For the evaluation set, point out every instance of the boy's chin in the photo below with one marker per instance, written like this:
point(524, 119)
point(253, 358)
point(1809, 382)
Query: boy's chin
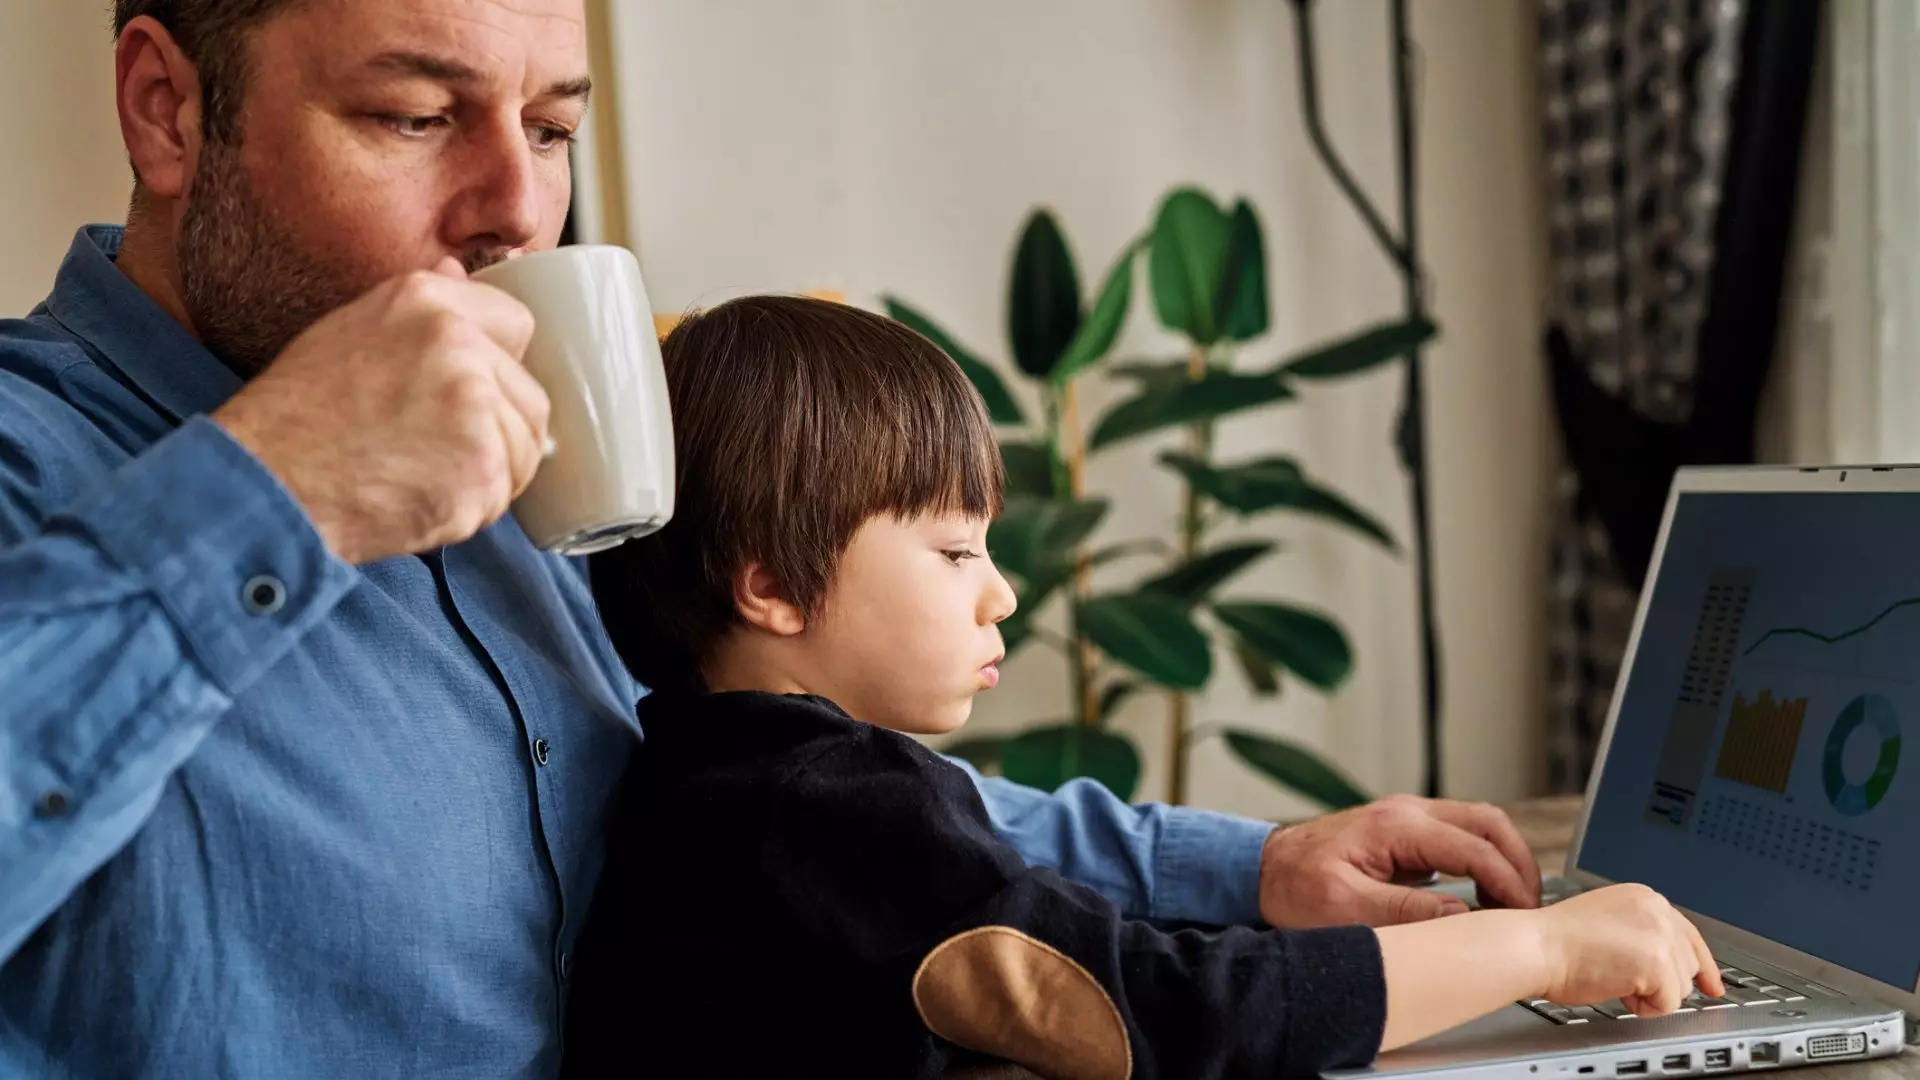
point(950, 719)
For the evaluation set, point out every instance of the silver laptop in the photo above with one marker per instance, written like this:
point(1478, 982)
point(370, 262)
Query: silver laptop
point(1752, 771)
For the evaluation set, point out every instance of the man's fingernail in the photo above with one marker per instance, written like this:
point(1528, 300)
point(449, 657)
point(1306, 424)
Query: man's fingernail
point(548, 448)
point(1453, 907)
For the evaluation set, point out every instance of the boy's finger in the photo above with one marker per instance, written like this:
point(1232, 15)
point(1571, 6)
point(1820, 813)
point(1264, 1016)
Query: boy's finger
point(1710, 980)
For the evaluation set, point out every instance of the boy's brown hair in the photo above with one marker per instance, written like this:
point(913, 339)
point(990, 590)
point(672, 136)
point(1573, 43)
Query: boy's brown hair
point(794, 422)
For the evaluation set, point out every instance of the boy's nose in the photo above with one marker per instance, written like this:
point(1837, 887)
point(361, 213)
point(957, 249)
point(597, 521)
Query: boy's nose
point(998, 601)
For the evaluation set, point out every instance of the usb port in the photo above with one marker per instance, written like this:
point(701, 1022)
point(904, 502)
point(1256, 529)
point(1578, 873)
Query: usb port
point(1721, 1058)
point(1764, 1053)
point(1630, 1068)
point(1676, 1062)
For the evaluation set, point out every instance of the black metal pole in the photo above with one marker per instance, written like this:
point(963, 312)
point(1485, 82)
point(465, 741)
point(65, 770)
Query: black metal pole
point(1413, 434)
point(1404, 252)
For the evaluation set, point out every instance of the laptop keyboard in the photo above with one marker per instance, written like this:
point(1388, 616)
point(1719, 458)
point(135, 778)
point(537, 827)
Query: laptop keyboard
point(1743, 988)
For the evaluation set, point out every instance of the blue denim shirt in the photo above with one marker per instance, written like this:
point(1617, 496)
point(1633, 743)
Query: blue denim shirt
point(263, 813)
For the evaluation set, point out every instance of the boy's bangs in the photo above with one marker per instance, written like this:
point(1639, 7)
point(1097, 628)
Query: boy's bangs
point(939, 459)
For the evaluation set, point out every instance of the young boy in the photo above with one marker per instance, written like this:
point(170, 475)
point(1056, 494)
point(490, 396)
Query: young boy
point(797, 888)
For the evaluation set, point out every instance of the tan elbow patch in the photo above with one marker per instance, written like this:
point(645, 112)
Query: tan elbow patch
point(1001, 992)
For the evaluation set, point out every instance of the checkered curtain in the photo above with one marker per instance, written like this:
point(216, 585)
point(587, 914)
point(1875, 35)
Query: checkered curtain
point(1638, 98)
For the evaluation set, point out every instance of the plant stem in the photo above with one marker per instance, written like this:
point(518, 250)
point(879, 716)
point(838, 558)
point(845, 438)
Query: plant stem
point(1199, 439)
point(1083, 658)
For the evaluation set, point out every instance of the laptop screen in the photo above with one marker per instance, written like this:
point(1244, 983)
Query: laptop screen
point(1756, 772)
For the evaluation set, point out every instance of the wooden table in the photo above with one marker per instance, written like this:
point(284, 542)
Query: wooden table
point(1548, 825)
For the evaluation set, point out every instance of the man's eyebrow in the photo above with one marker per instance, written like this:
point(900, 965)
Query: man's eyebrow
point(444, 69)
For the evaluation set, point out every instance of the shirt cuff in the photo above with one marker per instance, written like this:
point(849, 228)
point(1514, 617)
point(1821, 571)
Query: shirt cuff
point(231, 556)
point(1207, 868)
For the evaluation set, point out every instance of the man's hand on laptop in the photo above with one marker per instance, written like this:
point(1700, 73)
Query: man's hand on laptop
point(1342, 868)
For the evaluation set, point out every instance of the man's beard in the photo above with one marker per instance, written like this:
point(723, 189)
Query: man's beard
point(248, 282)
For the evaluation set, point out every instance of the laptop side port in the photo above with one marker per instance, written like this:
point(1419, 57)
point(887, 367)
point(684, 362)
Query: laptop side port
point(1719, 1057)
point(1676, 1062)
point(1630, 1068)
point(1764, 1053)
point(1836, 1045)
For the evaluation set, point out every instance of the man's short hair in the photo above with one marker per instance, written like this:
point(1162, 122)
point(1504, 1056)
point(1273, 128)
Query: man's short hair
point(795, 421)
point(213, 35)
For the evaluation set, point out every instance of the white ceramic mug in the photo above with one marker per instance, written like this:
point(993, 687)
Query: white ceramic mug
point(609, 475)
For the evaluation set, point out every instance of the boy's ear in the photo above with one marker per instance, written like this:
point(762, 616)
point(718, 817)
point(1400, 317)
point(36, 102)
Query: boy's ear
point(760, 601)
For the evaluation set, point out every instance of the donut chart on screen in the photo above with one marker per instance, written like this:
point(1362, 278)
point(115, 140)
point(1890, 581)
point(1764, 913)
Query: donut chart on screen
point(1855, 798)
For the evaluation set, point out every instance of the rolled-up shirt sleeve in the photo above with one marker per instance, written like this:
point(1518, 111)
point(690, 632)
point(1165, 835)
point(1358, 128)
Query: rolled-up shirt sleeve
point(130, 618)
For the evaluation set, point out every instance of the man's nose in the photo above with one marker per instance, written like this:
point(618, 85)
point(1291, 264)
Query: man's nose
point(500, 204)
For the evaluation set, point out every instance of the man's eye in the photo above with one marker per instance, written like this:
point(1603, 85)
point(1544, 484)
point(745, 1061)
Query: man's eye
point(547, 137)
point(414, 127)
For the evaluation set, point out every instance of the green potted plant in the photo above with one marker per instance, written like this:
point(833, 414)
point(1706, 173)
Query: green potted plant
point(1207, 276)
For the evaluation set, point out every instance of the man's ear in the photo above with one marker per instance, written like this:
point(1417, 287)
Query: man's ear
point(760, 601)
point(157, 90)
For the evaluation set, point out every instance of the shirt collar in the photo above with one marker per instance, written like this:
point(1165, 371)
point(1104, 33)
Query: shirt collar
point(132, 334)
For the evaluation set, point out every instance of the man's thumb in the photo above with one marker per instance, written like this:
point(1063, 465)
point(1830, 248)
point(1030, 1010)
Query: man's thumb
point(1392, 905)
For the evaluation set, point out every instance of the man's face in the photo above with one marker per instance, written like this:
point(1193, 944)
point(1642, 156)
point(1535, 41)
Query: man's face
point(377, 137)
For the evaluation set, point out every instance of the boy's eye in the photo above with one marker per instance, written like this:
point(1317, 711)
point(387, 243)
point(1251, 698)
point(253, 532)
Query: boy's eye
point(956, 554)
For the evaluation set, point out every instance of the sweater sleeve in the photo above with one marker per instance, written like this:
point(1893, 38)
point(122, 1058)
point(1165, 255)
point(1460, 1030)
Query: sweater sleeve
point(886, 854)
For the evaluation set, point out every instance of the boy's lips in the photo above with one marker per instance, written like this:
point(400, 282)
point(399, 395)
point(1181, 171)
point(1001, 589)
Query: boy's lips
point(990, 672)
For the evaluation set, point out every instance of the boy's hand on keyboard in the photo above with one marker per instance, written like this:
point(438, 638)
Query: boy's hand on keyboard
point(1626, 942)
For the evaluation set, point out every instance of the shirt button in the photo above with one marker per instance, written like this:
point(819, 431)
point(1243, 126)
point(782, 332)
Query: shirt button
point(540, 751)
point(263, 595)
point(52, 804)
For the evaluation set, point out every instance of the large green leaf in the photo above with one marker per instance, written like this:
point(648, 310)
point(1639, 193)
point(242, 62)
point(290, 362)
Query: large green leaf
point(983, 753)
point(1029, 469)
point(1329, 504)
point(1261, 677)
point(1050, 756)
point(1153, 374)
point(1191, 581)
point(1043, 299)
point(1247, 488)
point(1371, 347)
point(1273, 483)
point(1103, 324)
point(1151, 634)
point(1297, 768)
point(1014, 537)
point(1069, 523)
point(1190, 238)
point(1243, 288)
point(1305, 643)
point(1216, 394)
point(1000, 404)
point(1034, 538)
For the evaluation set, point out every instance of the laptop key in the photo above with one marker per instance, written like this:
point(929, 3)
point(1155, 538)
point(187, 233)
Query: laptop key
point(1747, 995)
point(1781, 993)
point(1616, 1009)
point(1584, 1013)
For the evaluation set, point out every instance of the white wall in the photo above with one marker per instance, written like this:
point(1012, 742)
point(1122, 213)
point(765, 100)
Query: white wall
point(61, 160)
point(875, 147)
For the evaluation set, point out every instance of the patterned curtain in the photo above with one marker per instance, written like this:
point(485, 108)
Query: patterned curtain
point(1672, 135)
